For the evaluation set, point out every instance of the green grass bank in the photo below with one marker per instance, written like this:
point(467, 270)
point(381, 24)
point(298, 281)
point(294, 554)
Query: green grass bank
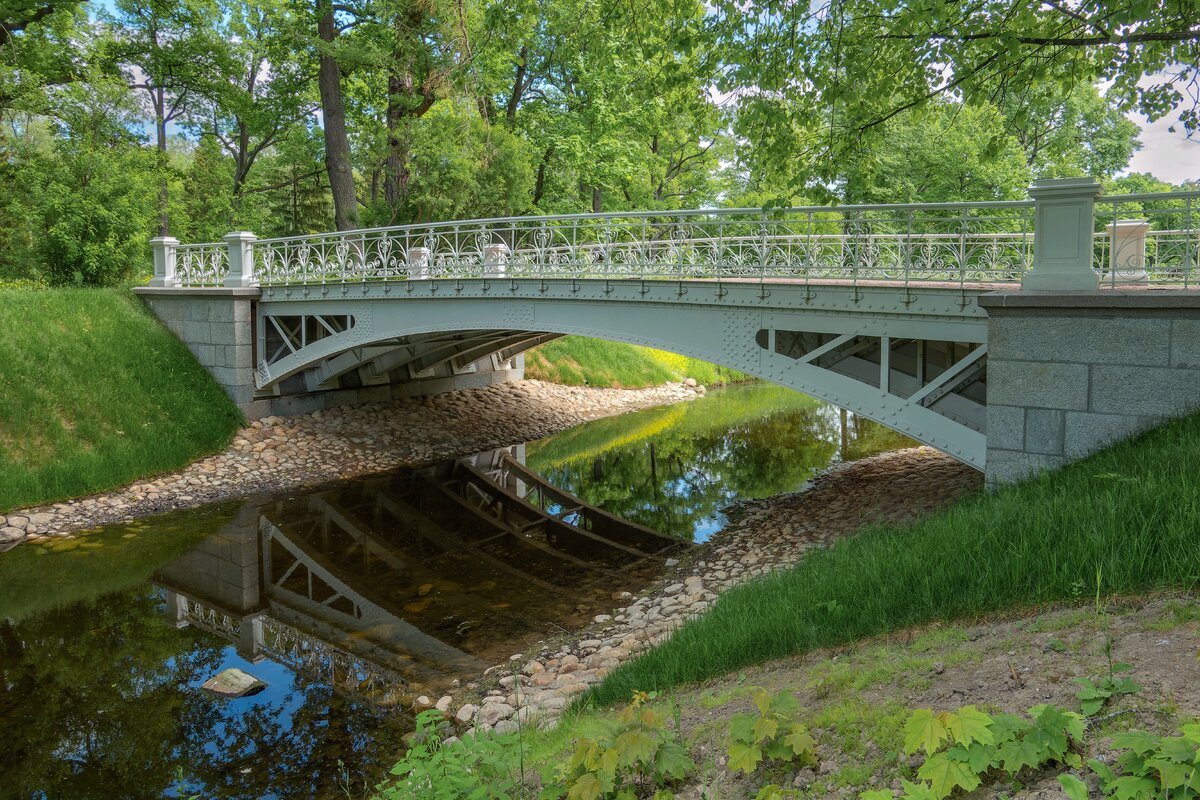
point(580, 361)
point(95, 393)
point(1124, 521)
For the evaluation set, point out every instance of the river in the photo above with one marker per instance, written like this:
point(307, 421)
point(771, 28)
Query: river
point(351, 599)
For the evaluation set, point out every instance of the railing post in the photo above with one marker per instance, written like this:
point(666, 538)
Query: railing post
point(1127, 259)
point(495, 258)
point(418, 262)
point(241, 259)
point(1064, 217)
point(164, 261)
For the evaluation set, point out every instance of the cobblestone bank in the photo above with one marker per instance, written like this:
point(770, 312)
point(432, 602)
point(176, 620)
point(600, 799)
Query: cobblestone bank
point(282, 453)
point(762, 536)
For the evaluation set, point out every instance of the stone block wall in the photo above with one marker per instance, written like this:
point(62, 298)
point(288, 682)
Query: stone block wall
point(1072, 372)
point(216, 325)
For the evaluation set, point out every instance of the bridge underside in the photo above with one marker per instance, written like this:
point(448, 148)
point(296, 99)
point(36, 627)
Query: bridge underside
point(912, 359)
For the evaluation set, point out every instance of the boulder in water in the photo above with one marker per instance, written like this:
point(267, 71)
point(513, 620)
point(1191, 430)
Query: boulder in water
point(233, 683)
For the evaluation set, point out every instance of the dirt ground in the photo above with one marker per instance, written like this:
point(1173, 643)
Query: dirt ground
point(856, 699)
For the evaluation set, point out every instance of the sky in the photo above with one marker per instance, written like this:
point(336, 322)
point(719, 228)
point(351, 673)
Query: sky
point(1168, 156)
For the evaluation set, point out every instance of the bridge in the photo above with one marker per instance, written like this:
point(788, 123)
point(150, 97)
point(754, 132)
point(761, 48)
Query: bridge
point(976, 328)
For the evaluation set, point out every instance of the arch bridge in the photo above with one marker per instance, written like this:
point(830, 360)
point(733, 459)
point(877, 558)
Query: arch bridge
point(873, 308)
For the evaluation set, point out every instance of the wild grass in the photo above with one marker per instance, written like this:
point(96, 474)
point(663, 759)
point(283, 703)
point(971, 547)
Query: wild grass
point(580, 361)
point(1124, 521)
point(94, 393)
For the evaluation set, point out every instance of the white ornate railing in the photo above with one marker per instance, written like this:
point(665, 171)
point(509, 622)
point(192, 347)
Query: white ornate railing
point(972, 243)
point(202, 264)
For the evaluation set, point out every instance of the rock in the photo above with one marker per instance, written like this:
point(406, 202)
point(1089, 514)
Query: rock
point(443, 704)
point(233, 683)
point(41, 519)
point(18, 522)
point(506, 726)
point(533, 667)
point(491, 713)
point(602, 619)
point(569, 663)
point(422, 703)
point(691, 383)
point(10, 534)
point(671, 562)
point(466, 714)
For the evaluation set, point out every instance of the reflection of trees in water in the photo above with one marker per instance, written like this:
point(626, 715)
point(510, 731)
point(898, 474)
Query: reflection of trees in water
point(95, 703)
point(751, 442)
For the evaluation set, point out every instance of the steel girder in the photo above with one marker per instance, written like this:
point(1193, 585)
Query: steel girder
point(865, 348)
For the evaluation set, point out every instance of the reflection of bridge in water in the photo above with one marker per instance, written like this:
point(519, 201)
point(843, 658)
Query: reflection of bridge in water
point(393, 586)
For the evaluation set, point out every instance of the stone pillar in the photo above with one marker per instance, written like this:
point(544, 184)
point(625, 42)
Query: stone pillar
point(495, 259)
point(1064, 216)
point(1127, 258)
point(241, 259)
point(164, 261)
point(418, 262)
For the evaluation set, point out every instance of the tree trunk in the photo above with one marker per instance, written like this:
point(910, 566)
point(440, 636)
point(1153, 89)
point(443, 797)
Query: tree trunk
point(160, 132)
point(597, 199)
point(395, 170)
point(337, 143)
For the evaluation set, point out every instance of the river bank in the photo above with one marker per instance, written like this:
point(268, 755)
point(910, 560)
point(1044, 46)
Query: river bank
point(762, 536)
point(279, 453)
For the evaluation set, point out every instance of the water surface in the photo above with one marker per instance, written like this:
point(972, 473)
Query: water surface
point(352, 599)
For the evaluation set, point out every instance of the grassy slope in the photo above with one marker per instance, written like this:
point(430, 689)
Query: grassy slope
point(578, 361)
point(1123, 521)
point(95, 393)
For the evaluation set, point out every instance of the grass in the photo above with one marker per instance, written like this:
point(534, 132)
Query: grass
point(94, 393)
point(580, 361)
point(1124, 521)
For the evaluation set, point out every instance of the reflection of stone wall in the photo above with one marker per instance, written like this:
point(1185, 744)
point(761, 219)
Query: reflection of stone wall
point(1069, 373)
point(224, 569)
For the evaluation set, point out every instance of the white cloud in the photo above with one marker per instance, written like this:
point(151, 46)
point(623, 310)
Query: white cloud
point(1169, 156)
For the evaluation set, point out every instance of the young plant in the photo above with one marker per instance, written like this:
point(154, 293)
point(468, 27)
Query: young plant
point(633, 760)
point(1093, 696)
point(771, 734)
point(1151, 767)
point(964, 746)
point(480, 767)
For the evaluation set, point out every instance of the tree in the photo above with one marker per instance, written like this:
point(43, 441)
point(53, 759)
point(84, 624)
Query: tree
point(262, 89)
point(39, 48)
point(841, 69)
point(338, 162)
point(1080, 132)
point(947, 153)
point(166, 53)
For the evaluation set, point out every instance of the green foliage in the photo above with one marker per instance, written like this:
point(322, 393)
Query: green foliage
point(772, 734)
point(480, 767)
point(1093, 696)
point(1152, 767)
point(633, 759)
point(866, 62)
point(963, 747)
